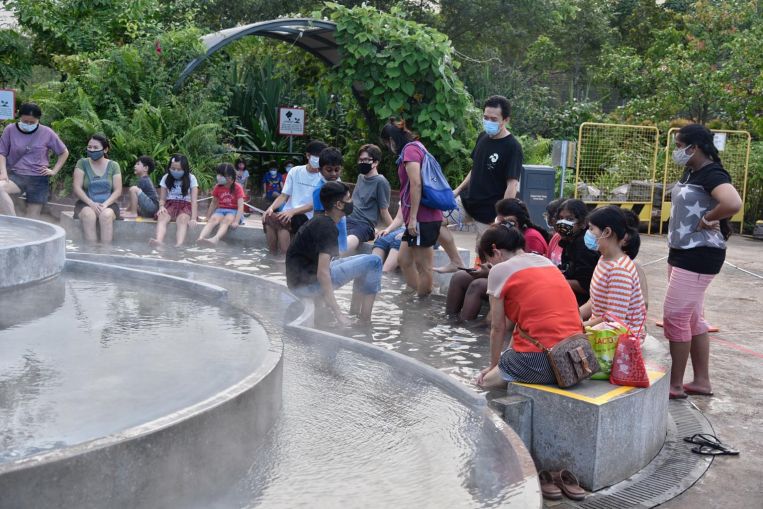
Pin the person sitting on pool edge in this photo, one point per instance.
(310, 270)
(528, 294)
(281, 223)
(370, 199)
(330, 163)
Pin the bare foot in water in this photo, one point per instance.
(155, 243)
(446, 269)
(206, 242)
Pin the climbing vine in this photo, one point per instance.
(407, 69)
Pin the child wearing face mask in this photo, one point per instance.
(272, 183)
(226, 207)
(616, 285)
(178, 195)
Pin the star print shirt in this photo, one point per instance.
(701, 251)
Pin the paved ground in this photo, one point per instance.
(734, 303)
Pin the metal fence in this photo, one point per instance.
(734, 148)
(616, 165)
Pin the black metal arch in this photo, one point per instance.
(312, 35)
(315, 36)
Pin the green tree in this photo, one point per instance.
(16, 59)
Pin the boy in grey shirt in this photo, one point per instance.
(370, 199)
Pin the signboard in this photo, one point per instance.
(7, 104)
(719, 140)
(291, 121)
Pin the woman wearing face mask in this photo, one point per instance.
(527, 293)
(422, 223)
(98, 186)
(616, 285)
(178, 195)
(577, 262)
(468, 288)
(25, 148)
(702, 202)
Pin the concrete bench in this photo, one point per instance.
(602, 433)
(141, 230)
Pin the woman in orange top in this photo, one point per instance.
(526, 291)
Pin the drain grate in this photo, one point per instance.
(674, 470)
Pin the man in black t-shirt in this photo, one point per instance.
(311, 272)
(497, 163)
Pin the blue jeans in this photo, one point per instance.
(365, 271)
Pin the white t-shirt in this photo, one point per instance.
(176, 193)
(300, 185)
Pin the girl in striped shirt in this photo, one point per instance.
(615, 286)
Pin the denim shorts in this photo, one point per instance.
(365, 271)
(36, 187)
(225, 212)
(390, 241)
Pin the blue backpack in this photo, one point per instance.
(435, 190)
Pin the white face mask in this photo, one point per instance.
(680, 157)
(314, 161)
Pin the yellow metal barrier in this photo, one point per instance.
(616, 165)
(734, 148)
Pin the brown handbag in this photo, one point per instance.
(572, 359)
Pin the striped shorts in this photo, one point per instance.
(526, 367)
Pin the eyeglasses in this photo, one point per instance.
(365, 160)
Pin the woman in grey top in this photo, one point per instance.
(702, 203)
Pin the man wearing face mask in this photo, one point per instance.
(370, 198)
(497, 163)
(297, 201)
(25, 159)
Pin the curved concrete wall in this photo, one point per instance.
(41, 257)
(193, 451)
(300, 318)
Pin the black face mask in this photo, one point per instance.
(364, 168)
(347, 208)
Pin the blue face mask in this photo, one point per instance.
(591, 242)
(177, 174)
(221, 180)
(314, 161)
(491, 128)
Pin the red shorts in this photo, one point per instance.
(177, 207)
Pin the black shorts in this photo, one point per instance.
(82, 205)
(428, 235)
(362, 230)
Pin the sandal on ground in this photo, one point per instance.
(708, 450)
(569, 485)
(706, 441)
(549, 490)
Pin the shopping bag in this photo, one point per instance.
(603, 338)
(628, 367)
